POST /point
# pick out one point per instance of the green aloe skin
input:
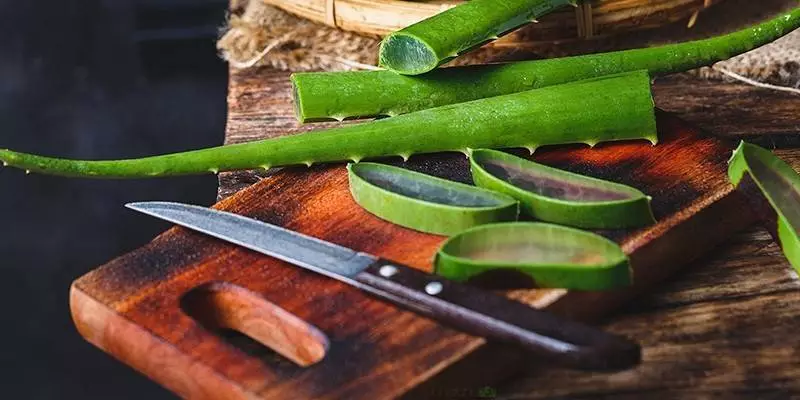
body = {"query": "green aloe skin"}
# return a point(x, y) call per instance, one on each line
point(780, 186)
point(425, 45)
point(339, 95)
point(426, 203)
point(552, 195)
point(555, 256)
point(613, 108)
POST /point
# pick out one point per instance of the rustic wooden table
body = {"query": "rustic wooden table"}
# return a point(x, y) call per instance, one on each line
point(725, 327)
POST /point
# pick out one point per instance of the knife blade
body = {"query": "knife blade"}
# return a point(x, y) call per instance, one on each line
point(460, 306)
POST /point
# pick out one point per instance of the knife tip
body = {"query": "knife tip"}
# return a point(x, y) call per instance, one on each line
point(135, 205)
point(152, 206)
point(144, 205)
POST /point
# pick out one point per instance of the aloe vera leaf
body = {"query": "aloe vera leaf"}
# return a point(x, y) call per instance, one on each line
point(779, 186)
point(615, 108)
point(553, 195)
point(425, 45)
point(426, 203)
point(339, 95)
point(555, 256)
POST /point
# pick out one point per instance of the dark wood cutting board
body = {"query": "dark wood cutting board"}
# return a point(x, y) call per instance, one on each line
point(138, 306)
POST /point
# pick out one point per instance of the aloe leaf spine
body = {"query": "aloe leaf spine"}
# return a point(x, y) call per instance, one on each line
point(339, 95)
point(425, 45)
point(426, 203)
point(778, 186)
point(553, 255)
point(553, 195)
point(614, 108)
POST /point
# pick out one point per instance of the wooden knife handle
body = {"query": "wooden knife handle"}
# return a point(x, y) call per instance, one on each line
point(482, 313)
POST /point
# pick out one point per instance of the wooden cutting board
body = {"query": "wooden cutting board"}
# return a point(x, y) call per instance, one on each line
point(160, 308)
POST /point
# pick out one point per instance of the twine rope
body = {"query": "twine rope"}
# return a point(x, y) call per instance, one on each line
point(754, 82)
point(261, 54)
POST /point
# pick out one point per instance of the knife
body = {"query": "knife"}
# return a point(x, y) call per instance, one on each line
point(460, 306)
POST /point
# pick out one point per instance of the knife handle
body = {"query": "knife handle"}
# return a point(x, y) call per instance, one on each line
point(482, 313)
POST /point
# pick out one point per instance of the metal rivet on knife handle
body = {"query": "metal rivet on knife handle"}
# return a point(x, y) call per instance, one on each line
point(433, 288)
point(387, 271)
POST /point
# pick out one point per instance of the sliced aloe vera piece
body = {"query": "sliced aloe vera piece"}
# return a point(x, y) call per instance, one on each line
point(553, 255)
point(426, 203)
point(553, 195)
point(778, 199)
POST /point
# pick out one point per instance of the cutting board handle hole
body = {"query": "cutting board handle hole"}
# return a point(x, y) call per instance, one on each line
point(245, 319)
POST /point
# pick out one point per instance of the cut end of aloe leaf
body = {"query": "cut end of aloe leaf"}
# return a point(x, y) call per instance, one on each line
point(297, 100)
point(426, 203)
point(554, 256)
point(779, 186)
point(407, 54)
point(553, 195)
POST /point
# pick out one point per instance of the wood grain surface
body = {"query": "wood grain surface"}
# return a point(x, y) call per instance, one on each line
point(136, 307)
point(725, 327)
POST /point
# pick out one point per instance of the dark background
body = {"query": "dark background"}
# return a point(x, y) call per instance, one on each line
point(92, 79)
point(106, 79)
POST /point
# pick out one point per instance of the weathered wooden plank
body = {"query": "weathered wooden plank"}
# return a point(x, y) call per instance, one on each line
point(723, 329)
point(731, 109)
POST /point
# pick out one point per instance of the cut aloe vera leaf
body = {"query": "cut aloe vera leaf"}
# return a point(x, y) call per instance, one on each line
point(553, 195)
point(426, 203)
point(553, 255)
point(603, 109)
point(359, 94)
point(777, 198)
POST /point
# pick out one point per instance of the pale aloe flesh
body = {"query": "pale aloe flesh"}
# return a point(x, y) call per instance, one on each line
point(553, 255)
point(426, 203)
point(433, 191)
point(548, 186)
point(562, 197)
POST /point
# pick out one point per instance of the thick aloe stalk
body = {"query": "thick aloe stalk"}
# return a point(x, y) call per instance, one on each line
point(421, 47)
point(614, 108)
point(553, 195)
point(339, 95)
point(426, 203)
point(779, 194)
point(555, 256)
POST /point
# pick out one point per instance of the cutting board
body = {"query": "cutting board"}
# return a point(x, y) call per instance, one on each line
point(169, 309)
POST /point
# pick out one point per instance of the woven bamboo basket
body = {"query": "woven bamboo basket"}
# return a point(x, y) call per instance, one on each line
point(588, 19)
